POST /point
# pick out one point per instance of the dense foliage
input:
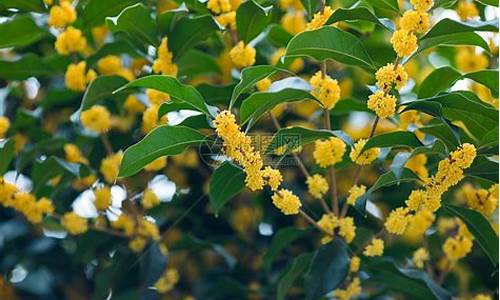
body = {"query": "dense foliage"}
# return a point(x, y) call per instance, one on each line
point(258, 149)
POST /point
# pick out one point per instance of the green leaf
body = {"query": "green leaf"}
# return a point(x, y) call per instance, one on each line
point(443, 78)
point(484, 168)
point(329, 268)
point(188, 32)
point(6, 153)
point(51, 167)
point(21, 31)
point(24, 5)
point(489, 2)
point(27, 66)
point(278, 36)
point(330, 43)
point(359, 13)
point(171, 86)
point(96, 11)
point(414, 283)
point(251, 19)
point(259, 103)
point(282, 240)
point(250, 76)
point(101, 88)
point(137, 24)
point(393, 139)
point(226, 182)
point(451, 32)
point(294, 270)
point(113, 48)
point(444, 3)
point(311, 7)
point(162, 141)
point(293, 137)
point(167, 20)
point(195, 63)
point(385, 4)
point(480, 228)
point(152, 264)
point(348, 105)
point(168, 106)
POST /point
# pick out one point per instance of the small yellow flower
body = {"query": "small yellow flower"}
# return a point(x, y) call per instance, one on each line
point(366, 157)
point(137, 244)
point(167, 281)
point(389, 75)
point(347, 229)
point(242, 55)
point(74, 224)
point(294, 22)
point(77, 77)
point(328, 152)
point(124, 223)
point(375, 248)
point(70, 41)
point(110, 166)
point(149, 199)
point(109, 64)
point(468, 60)
point(416, 21)
point(272, 177)
point(62, 15)
point(317, 186)
point(263, 85)
point(355, 192)
point(286, 202)
point(219, 6)
point(164, 63)
point(397, 221)
point(325, 89)
point(467, 10)
point(156, 165)
point(227, 19)
point(422, 5)
point(4, 126)
point(354, 266)
point(133, 106)
point(404, 42)
point(73, 154)
point(353, 290)
point(102, 198)
point(150, 118)
point(156, 97)
point(328, 222)
point(97, 118)
point(319, 19)
point(420, 256)
point(384, 105)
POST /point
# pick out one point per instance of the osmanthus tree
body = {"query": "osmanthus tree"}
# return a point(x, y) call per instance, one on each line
point(252, 149)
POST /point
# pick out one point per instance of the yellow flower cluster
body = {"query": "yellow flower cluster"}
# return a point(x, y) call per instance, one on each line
point(263, 85)
point(483, 200)
point(418, 225)
point(110, 166)
point(467, 10)
point(325, 89)
point(149, 199)
point(328, 152)
point(167, 281)
point(319, 19)
point(242, 55)
point(367, 156)
point(294, 22)
point(70, 41)
point(150, 118)
point(375, 248)
point(139, 229)
point(458, 246)
point(102, 198)
point(354, 193)
point(73, 154)
point(332, 224)
point(133, 106)
point(420, 256)
point(156, 165)
point(286, 202)
point(468, 60)
point(219, 6)
point(227, 19)
point(422, 5)
point(415, 20)
point(25, 203)
point(397, 221)
point(481, 297)
point(164, 63)
point(112, 65)
point(225, 10)
point(388, 75)
point(62, 15)
point(317, 185)
point(384, 105)
point(97, 118)
point(354, 265)
point(404, 42)
point(352, 290)
point(417, 165)
point(77, 76)
point(156, 97)
point(74, 224)
point(4, 126)
point(238, 146)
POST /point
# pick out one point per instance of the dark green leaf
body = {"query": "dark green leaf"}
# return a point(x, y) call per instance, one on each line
point(488, 78)
point(480, 228)
point(278, 36)
point(152, 264)
point(51, 167)
point(329, 268)
point(385, 4)
point(27, 66)
point(101, 88)
point(167, 20)
point(359, 13)
point(162, 141)
point(293, 137)
point(188, 32)
point(6, 153)
point(330, 43)
point(393, 139)
point(226, 182)
point(196, 62)
point(294, 270)
point(438, 81)
point(311, 7)
point(259, 103)
point(24, 5)
point(96, 11)
point(282, 240)
point(484, 168)
point(20, 32)
point(251, 19)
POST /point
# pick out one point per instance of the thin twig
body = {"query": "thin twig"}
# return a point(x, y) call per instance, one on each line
point(107, 144)
point(311, 220)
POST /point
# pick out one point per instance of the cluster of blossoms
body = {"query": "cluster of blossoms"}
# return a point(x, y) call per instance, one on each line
point(482, 200)
point(325, 89)
point(138, 228)
point(225, 11)
point(332, 225)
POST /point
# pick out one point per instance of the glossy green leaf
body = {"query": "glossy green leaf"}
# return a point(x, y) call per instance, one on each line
point(95, 11)
point(27, 66)
point(293, 271)
point(282, 240)
point(393, 139)
point(24, 5)
point(330, 43)
point(488, 78)
point(385, 4)
point(329, 268)
point(359, 14)
point(480, 228)
point(259, 103)
point(483, 168)
point(278, 35)
point(51, 167)
point(250, 76)
point(6, 153)
point(167, 20)
point(162, 141)
point(195, 63)
point(21, 31)
point(170, 85)
point(227, 181)
point(311, 7)
point(188, 32)
point(152, 264)
point(251, 19)
point(137, 24)
point(101, 88)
